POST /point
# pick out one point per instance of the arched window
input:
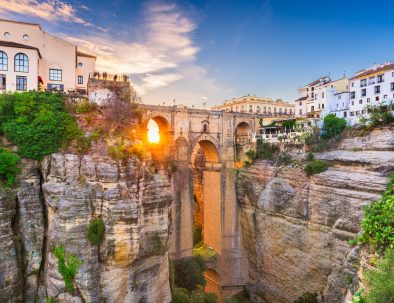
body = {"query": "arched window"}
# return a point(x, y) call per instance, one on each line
point(21, 63)
point(3, 61)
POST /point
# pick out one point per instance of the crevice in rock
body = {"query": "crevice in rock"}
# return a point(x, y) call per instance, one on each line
point(19, 248)
point(40, 277)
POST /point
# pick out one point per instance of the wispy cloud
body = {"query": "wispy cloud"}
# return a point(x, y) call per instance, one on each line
point(157, 60)
point(50, 10)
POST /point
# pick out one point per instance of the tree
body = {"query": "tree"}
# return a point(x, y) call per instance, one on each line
point(333, 125)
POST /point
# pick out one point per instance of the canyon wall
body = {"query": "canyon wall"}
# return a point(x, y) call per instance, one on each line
point(296, 228)
point(53, 203)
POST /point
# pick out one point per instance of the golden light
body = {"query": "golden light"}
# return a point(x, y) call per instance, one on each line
point(153, 132)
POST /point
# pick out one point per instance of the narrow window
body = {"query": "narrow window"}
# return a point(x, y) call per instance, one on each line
point(3, 61)
point(21, 83)
point(2, 82)
point(80, 81)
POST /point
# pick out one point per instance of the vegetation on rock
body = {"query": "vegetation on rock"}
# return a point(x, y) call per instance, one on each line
point(8, 167)
point(96, 231)
point(315, 167)
point(378, 222)
point(307, 298)
point(380, 282)
point(68, 265)
point(378, 115)
point(37, 122)
point(265, 150)
point(333, 126)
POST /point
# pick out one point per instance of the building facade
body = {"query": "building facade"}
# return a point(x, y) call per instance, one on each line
point(316, 96)
point(33, 59)
point(370, 87)
point(258, 105)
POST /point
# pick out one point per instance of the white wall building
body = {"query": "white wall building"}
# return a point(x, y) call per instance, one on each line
point(31, 58)
point(369, 87)
point(316, 96)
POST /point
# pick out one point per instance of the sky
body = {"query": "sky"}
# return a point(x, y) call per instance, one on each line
point(204, 52)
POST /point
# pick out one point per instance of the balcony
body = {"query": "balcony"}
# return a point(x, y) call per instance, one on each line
point(109, 77)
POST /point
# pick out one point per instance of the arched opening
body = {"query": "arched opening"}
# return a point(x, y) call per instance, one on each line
point(207, 196)
point(158, 140)
point(243, 133)
point(213, 282)
point(181, 150)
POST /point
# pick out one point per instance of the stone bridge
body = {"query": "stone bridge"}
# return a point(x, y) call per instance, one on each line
point(206, 146)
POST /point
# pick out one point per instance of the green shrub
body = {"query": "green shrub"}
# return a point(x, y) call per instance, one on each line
point(67, 266)
point(358, 296)
point(378, 222)
point(283, 159)
point(96, 231)
point(307, 298)
point(206, 253)
point(37, 122)
point(315, 167)
point(251, 154)
point(85, 106)
point(180, 295)
point(202, 297)
point(310, 156)
point(378, 115)
point(189, 273)
point(333, 126)
point(380, 282)
point(265, 150)
point(8, 167)
point(49, 300)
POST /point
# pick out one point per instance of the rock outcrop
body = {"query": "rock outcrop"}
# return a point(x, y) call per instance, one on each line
point(296, 228)
point(53, 205)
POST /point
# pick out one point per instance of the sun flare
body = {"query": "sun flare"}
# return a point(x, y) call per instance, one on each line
point(153, 132)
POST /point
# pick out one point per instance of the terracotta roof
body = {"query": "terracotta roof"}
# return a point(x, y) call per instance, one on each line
point(372, 70)
point(81, 54)
point(21, 22)
point(302, 99)
point(18, 45)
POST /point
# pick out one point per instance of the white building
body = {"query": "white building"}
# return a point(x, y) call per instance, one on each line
point(372, 86)
point(317, 96)
point(31, 59)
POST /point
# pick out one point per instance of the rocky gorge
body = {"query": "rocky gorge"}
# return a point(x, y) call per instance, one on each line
point(53, 203)
point(296, 228)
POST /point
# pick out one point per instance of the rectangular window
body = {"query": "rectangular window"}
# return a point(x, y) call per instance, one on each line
point(339, 97)
point(21, 83)
point(357, 113)
point(377, 89)
point(377, 98)
point(363, 82)
point(56, 87)
point(380, 78)
point(322, 95)
point(352, 114)
point(3, 61)
point(250, 108)
point(322, 106)
point(368, 100)
point(2, 82)
point(352, 95)
point(363, 92)
point(392, 85)
point(300, 103)
point(360, 102)
point(352, 102)
point(55, 74)
point(344, 114)
point(371, 80)
point(80, 79)
point(300, 111)
point(392, 74)
point(363, 112)
point(385, 97)
point(352, 84)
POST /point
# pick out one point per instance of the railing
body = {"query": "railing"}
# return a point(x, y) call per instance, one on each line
point(109, 77)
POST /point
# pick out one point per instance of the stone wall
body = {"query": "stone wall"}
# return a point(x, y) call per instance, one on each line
point(58, 200)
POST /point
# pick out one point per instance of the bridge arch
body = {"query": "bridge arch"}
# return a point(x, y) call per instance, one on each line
point(181, 150)
point(243, 132)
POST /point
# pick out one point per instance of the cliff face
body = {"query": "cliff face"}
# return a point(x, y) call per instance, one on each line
point(53, 204)
point(296, 228)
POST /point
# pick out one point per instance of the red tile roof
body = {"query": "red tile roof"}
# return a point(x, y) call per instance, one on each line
point(374, 70)
point(18, 45)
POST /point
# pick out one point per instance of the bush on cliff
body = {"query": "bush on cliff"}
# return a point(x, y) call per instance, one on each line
point(37, 122)
point(333, 126)
point(315, 167)
point(8, 167)
point(67, 265)
point(378, 222)
point(265, 150)
point(307, 298)
point(96, 231)
point(189, 273)
point(380, 282)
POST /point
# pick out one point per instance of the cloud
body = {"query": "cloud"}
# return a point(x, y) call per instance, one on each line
point(157, 60)
point(50, 10)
